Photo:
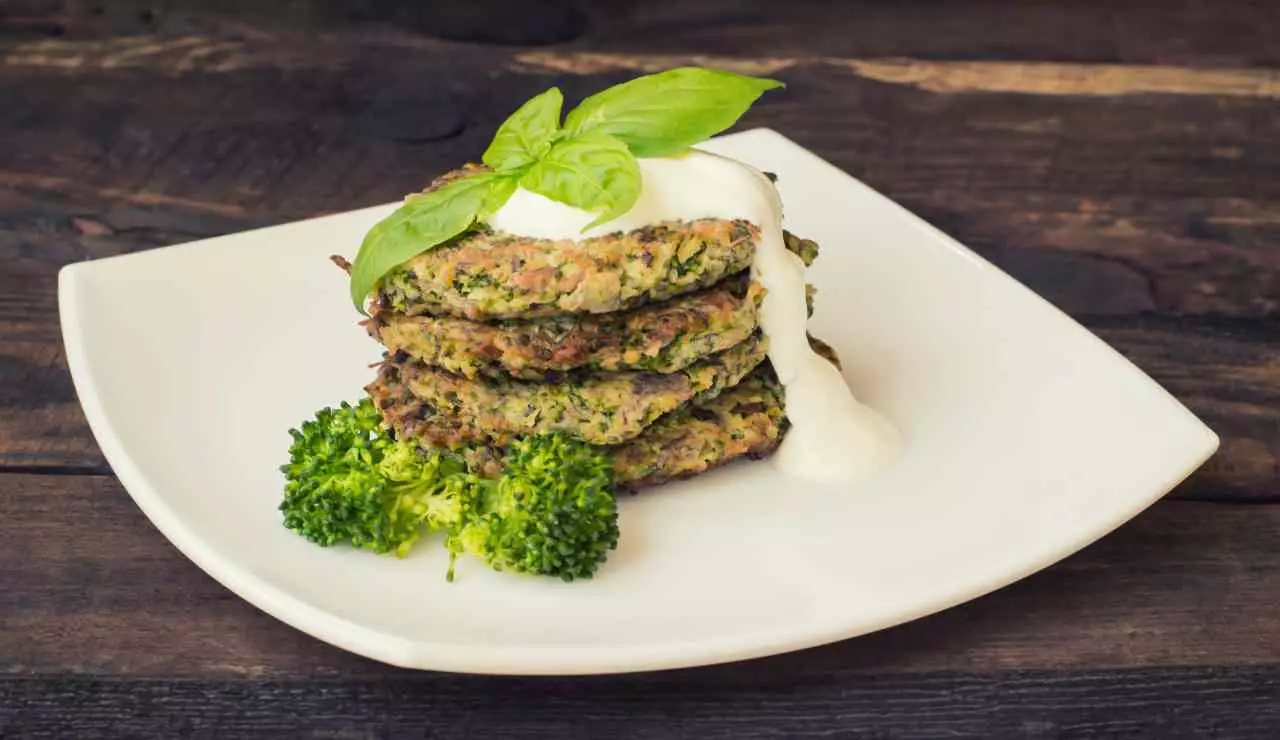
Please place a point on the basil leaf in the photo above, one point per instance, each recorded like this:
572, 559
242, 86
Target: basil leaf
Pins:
500, 189
526, 134
425, 221
594, 172
668, 112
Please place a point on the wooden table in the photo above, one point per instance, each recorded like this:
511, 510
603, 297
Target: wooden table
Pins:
1121, 158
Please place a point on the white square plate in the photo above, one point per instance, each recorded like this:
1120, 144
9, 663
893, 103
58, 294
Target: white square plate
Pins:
1026, 439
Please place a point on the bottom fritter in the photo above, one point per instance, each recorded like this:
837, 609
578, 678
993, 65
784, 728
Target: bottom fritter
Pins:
746, 420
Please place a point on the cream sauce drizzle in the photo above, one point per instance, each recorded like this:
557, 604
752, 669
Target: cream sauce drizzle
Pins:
833, 437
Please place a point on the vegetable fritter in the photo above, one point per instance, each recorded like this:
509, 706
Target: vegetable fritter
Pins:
607, 408
490, 275
746, 420
663, 338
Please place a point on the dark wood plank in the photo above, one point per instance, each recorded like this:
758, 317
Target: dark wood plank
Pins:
1203, 32
1150, 217
1225, 371
504, 22
1172, 703
92, 588
1141, 31
41, 425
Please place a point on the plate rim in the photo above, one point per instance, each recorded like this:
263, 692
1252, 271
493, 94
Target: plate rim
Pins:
559, 659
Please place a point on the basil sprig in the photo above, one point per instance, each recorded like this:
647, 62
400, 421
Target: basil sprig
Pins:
428, 219
591, 171
666, 113
526, 136
589, 162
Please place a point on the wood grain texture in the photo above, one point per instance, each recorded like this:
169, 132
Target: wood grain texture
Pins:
1026, 78
1177, 32
93, 588
1169, 704
1182, 32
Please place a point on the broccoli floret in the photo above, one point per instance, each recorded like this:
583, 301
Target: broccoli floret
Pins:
551, 513
434, 486
348, 482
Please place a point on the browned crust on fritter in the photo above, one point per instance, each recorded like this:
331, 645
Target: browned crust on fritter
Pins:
663, 337
745, 421
607, 408
488, 275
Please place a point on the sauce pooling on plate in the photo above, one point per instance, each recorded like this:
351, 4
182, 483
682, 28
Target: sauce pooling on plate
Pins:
833, 437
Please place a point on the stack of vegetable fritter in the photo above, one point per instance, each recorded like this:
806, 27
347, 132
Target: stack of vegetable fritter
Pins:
526, 379
644, 343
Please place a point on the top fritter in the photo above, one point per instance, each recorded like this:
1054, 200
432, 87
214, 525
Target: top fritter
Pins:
487, 275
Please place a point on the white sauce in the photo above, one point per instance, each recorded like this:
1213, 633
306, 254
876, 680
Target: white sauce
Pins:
833, 437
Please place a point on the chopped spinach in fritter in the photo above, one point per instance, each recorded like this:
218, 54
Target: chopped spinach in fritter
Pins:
531, 278
606, 408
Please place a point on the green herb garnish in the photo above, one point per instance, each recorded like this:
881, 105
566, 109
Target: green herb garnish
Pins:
669, 112
588, 163
428, 219
526, 136
591, 171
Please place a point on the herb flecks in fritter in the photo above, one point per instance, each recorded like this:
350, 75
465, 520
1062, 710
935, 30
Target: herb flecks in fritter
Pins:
745, 420
489, 275
663, 338
607, 408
